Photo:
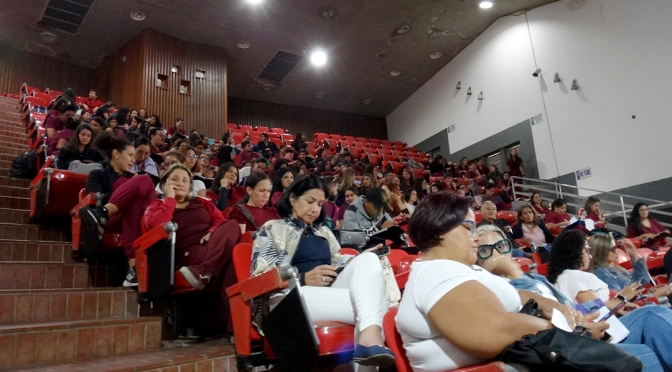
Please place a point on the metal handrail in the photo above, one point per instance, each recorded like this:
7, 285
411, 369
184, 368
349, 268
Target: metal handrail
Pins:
557, 189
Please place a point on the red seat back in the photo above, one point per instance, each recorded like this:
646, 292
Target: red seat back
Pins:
354, 151
374, 159
394, 342
419, 173
509, 216
261, 129
278, 130
245, 128
242, 260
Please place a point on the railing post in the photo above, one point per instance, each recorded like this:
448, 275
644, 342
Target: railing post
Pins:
513, 188
625, 218
560, 188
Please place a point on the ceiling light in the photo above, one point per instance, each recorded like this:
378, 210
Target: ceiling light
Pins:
328, 13
367, 102
254, 2
318, 58
320, 95
403, 29
138, 16
48, 37
395, 72
435, 55
485, 4
243, 44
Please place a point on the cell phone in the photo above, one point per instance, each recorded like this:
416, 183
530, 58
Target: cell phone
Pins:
382, 252
339, 269
211, 141
358, 182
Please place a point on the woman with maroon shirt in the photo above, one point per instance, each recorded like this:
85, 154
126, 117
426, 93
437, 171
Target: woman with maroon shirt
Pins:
204, 241
482, 169
643, 228
515, 164
462, 168
253, 211
538, 205
558, 217
283, 178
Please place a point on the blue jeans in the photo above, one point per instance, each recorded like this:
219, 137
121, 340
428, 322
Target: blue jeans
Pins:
651, 326
645, 355
517, 253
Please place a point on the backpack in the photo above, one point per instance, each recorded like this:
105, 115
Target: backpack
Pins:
24, 165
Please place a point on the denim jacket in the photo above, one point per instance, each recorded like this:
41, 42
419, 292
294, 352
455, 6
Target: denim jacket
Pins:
617, 279
277, 240
529, 282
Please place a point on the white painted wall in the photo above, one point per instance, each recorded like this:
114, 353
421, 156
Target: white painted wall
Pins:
619, 50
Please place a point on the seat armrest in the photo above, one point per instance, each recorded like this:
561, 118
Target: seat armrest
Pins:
258, 285
151, 237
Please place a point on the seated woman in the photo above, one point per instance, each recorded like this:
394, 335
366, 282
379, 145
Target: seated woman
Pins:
538, 205
190, 157
301, 239
222, 186
406, 181
143, 162
351, 194
207, 170
453, 315
505, 183
591, 210
79, 149
283, 178
395, 204
205, 240
530, 228
644, 343
558, 217
367, 181
253, 211
411, 200
643, 228
125, 197
605, 265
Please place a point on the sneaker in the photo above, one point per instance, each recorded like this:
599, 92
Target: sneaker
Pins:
375, 355
131, 279
194, 277
94, 220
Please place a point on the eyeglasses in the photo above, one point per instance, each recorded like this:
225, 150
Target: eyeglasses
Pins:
193, 156
503, 246
469, 225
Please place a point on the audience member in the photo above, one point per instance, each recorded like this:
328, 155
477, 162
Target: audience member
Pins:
79, 150
462, 168
421, 187
281, 181
54, 124
643, 228
515, 164
492, 197
438, 167
411, 200
91, 102
493, 174
351, 194
604, 263
265, 147
407, 181
303, 240
591, 210
143, 162
98, 125
177, 130
481, 168
258, 165
207, 170
489, 212
331, 210
367, 213
348, 180
530, 228
558, 217
253, 211
105, 110
221, 191
538, 205
56, 143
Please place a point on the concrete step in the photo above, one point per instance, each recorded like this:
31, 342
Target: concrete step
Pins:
14, 231
42, 275
31, 251
180, 355
23, 346
14, 182
59, 305
14, 192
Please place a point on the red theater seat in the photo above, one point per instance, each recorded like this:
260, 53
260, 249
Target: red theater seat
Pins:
398, 153
54, 192
395, 166
361, 144
261, 129
355, 151
335, 137
28, 90
386, 142
279, 131
412, 150
349, 138
394, 342
510, 216
55, 93
419, 173
110, 241
318, 138
362, 139
245, 128
373, 159
335, 338
287, 137
399, 145
44, 96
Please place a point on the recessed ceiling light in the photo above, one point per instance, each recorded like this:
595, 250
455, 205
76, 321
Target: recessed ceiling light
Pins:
48, 37
138, 16
320, 95
367, 102
403, 29
318, 58
395, 72
243, 44
435, 55
485, 4
255, 2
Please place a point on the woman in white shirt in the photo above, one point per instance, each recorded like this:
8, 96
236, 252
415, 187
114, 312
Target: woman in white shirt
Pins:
411, 198
454, 315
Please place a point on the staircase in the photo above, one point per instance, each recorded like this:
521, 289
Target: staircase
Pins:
53, 317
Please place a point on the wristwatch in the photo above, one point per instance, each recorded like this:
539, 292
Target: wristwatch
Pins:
621, 297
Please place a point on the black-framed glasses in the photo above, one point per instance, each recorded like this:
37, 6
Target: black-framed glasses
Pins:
503, 246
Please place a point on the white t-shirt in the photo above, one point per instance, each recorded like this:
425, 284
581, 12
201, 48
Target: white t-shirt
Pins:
196, 186
571, 282
427, 350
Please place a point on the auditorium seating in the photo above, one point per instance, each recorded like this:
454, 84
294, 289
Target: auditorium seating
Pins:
54, 192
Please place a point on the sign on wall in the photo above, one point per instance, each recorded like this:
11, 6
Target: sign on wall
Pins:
537, 119
583, 173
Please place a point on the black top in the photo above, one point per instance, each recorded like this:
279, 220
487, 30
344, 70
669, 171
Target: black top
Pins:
89, 155
518, 232
102, 181
311, 252
261, 148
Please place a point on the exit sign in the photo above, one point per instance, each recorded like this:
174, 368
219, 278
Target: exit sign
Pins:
583, 173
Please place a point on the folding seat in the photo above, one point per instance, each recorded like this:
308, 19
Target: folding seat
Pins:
36, 102
361, 144
388, 157
333, 144
335, 137
237, 135
510, 216
274, 137
287, 137
53, 192
374, 159
80, 99
312, 152
55, 93
279, 131
349, 138
412, 150
419, 173
369, 151
395, 166
374, 140
385, 149
362, 139
319, 137
44, 96
436, 179
245, 128
311, 146
394, 342
398, 144
335, 339
255, 137
355, 151
261, 129
399, 153
386, 142
28, 90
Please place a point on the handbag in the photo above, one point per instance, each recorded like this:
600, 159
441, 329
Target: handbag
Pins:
352, 239
557, 350
392, 292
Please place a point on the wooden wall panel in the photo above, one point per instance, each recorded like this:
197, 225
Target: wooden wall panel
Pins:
304, 119
18, 67
133, 83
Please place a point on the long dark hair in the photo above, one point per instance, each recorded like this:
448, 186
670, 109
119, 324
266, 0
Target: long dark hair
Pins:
220, 174
277, 179
107, 142
299, 187
634, 216
73, 144
566, 254
252, 181
121, 115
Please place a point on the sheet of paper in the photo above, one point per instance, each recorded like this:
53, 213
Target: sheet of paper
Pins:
590, 224
616, 329
559, 320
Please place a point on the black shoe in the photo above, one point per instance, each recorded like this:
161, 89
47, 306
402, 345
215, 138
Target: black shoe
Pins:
94, 220
131, 279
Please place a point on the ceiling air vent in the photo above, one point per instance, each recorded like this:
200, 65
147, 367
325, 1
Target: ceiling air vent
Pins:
280, 66
65, 15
